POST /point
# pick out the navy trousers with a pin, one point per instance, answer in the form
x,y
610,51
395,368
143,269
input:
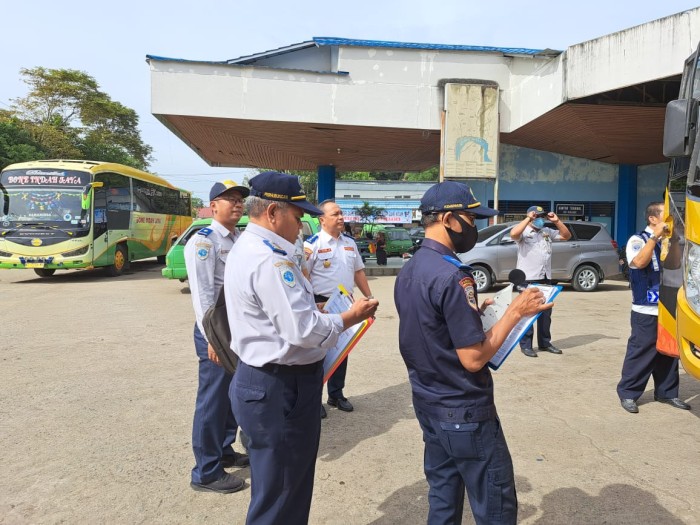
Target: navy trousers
x,y
214,427
278,410
336,382
474,456
544,325
643,361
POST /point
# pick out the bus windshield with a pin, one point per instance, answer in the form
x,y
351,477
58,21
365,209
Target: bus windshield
x,y
43,196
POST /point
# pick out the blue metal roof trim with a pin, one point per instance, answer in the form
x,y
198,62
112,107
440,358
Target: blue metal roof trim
x,y
169,59
389,204
228,63
332,41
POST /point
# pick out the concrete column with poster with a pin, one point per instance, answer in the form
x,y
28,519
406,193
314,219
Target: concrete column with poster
x,y
470,133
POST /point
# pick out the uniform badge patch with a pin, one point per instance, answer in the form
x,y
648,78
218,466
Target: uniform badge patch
x,y
636,244
287,276
202,251
467,284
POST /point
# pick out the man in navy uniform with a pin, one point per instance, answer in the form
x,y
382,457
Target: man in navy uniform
x,y
442,342
281,339
332,258
214,428
642,360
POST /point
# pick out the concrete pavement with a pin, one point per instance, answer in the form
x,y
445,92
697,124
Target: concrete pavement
x,y
98,382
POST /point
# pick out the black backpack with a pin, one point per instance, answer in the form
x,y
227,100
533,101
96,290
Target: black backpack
x,y
218,332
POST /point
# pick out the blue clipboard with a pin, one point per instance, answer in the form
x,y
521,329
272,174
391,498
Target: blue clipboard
x,y
510,343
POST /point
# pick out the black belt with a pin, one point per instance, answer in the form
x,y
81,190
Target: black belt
x,y
277,368
320,298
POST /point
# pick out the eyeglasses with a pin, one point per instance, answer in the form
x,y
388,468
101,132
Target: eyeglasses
x,y
233,200
470,218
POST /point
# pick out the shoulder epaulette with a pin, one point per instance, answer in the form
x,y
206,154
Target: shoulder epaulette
x,y
274,248
459,264
205,232
312,239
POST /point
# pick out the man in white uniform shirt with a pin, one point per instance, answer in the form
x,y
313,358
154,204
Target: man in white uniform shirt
x,y
534,241
281,339
214,428
332,258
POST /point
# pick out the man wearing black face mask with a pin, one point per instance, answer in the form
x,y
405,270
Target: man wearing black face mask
x,y
534,241
442,342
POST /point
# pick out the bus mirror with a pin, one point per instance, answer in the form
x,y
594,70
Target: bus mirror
x,y
679,128
86,199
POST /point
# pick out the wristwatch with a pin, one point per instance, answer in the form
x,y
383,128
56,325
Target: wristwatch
x,y
654,238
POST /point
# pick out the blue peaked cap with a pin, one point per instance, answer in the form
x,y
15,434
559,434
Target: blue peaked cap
x,y
283,187
453,196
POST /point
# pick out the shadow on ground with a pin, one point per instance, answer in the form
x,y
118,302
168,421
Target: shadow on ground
x,y
618,503
375,414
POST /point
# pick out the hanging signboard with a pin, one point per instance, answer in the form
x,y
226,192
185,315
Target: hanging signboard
x,y
470,131
571,210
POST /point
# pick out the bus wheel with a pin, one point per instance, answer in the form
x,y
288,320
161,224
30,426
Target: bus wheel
x,y
120,262
44,272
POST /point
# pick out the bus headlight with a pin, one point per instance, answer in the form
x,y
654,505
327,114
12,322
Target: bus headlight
x,y
692,276
76,253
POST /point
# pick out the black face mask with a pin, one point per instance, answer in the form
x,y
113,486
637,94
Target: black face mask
x,y
464,241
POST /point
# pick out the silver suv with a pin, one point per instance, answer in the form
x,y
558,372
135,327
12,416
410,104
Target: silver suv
x,y
585,260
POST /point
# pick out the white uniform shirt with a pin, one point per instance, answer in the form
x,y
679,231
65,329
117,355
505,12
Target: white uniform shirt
x,y
535,252
331,261
205,260
634,246
270,304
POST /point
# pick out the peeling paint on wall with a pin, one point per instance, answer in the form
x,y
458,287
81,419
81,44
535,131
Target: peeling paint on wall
x,y
528,166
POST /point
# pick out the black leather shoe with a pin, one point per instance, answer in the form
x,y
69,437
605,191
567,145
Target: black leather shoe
x,y
551,349
674,402
226,484
235,460
529,352
629,405
341,404
323,413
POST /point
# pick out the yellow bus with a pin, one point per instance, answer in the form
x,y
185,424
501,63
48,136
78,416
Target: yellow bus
x,y
66,214
679,308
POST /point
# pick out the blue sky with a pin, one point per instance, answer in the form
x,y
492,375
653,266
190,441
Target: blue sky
x,y
110,40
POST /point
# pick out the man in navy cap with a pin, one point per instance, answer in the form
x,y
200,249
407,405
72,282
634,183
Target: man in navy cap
x,y
443,344
281,339
534,242
214,428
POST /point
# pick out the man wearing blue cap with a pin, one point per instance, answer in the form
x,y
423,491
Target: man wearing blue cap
x,y
214,427
281,339
534,242
442,342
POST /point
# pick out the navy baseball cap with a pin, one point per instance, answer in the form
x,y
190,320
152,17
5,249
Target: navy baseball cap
x,y
453,196
537,209
221,187
282,187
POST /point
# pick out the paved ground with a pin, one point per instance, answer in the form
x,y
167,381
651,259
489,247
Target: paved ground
x,y
97,387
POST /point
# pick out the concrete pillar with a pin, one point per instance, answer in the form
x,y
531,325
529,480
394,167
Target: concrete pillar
x,y
626,202
326,183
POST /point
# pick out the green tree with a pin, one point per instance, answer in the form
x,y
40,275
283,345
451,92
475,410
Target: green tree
x,y
197,204
369,214
429,175
68,115
16,144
